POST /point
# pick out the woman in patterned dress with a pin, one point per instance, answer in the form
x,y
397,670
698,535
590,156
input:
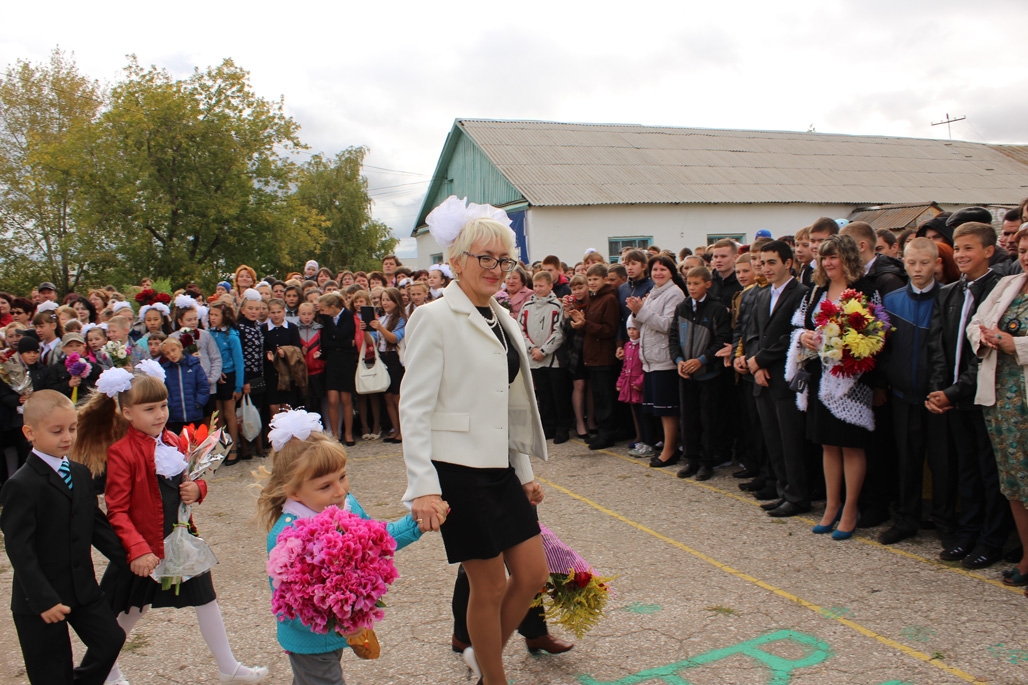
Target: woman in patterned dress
x,y
999,335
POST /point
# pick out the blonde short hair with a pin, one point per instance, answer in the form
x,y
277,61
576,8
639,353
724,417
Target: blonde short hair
x,y
476,231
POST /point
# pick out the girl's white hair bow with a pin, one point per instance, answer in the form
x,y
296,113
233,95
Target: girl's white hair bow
x,y
251,294
114,381
152,368
297,424
185,302
46,306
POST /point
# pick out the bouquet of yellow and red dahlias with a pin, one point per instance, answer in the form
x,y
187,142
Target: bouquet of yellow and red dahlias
x,y
853,332
574,596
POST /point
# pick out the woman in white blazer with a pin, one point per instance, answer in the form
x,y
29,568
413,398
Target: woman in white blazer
x,y
470,422
999,336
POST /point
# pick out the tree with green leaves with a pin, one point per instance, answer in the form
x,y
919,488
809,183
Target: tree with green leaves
x,y
45,115
191,177
336,190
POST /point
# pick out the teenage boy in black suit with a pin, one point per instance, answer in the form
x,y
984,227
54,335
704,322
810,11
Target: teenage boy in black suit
x,y
50,519
782,421
984,517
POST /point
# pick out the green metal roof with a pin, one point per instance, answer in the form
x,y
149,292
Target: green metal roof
x,y
465,171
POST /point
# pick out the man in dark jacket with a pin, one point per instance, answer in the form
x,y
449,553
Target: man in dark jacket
x,y
984,517
782,421
905,362
561,288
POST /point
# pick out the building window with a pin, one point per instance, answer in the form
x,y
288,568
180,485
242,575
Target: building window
x,y
616,245
737,237
437,258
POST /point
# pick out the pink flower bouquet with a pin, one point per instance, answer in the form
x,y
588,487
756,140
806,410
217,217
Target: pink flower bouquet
x,y
331,571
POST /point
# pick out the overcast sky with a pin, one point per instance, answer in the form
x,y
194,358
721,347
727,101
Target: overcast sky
x,y
394,75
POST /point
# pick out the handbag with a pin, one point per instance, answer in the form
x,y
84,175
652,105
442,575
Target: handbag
x,y
373,378
250,419
800,381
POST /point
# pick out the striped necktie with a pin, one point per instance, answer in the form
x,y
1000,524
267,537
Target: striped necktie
x,y
65,473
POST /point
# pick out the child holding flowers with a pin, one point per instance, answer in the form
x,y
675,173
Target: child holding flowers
x,y
122,430
309,476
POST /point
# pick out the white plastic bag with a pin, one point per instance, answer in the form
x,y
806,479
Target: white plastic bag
x,y
249,419
185,555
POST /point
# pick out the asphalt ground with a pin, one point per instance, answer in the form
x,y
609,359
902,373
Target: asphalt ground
x,y
708,590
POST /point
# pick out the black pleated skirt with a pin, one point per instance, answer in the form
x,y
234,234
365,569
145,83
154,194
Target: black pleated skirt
x,y
340,371
489,511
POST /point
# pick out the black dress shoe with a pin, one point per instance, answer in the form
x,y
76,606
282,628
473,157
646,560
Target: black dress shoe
x,y
350,443
753,485
705,473
871,518
658,464
789,509
894,535
982,557
955,553
769,492
560,439
599,443
690,469
768,506
1014,556
745,473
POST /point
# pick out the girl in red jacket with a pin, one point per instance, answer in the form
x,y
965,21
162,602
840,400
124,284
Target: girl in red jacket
x,y
123,424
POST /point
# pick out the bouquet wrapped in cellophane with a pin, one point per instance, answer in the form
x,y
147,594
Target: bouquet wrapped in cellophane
x,y
186,554
574,596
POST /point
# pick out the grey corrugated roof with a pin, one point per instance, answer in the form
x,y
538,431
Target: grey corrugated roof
x,y
585,164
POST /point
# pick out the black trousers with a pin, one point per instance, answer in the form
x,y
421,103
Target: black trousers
x,y
603,383
985,516
726,441
700,406
942,460
880,483
751,438
46,647
533,625
553,393
918,432
783,426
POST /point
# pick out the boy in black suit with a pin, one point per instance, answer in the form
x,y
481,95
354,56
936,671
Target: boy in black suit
x,y
984,521
782,421
50,519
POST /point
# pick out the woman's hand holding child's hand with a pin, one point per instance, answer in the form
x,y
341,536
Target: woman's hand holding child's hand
x,y
189,492
425,511
144,565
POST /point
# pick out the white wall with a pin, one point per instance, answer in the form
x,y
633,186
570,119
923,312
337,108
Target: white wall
x,y
568,231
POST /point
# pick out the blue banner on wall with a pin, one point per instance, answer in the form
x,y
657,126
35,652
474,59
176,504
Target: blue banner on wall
x,y
517,223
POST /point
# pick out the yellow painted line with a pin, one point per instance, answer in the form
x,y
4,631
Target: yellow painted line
x,y
867,632
867,541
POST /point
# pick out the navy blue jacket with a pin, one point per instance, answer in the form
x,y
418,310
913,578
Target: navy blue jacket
x,y
906,352
639,288
188,389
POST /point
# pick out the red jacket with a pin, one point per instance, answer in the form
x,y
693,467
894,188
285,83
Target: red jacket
x,y
133,496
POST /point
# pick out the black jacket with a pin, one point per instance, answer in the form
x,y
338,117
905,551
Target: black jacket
x,y
943,337
48,531
700,335
338,338
745,335
774,332
887,274
724,289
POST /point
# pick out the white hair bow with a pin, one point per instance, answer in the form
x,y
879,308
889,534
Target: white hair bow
x,y
86,327
46,306
297,424
252,295
152,368
118,306
446,221
114,381
444,269
159,306
185,302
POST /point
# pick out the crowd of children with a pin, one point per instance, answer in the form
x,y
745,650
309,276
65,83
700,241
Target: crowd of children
x,y
670,352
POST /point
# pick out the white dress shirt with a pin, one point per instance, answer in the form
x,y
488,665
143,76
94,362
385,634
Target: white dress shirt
x,y
52,462
775,292
965,312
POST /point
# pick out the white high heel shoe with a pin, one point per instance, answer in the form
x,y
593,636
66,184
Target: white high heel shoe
x,y
256,675
469,659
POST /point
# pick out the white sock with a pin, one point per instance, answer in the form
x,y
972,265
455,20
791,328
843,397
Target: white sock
x,y
127,620
212,628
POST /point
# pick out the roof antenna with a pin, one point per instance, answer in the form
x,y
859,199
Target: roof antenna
x,y
948,121
810,129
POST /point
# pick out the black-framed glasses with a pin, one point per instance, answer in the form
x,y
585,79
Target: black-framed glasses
x,y
488,262
17,311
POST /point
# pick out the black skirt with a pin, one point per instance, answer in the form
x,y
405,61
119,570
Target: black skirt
x,y
391,359
272,395
224,391
340,371
823,428
125,590
489,511
660,392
